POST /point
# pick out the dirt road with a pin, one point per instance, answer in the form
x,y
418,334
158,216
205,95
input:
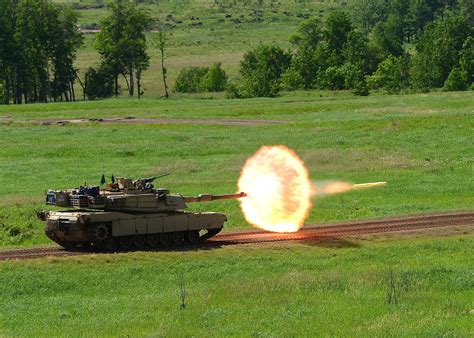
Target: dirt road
x,y
405,224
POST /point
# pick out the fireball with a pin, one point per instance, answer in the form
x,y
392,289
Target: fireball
x,y
278,190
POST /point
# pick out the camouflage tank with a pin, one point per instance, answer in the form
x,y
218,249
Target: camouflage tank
x,y
126,214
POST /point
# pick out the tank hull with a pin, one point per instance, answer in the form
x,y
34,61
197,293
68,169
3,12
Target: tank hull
x,y
111,230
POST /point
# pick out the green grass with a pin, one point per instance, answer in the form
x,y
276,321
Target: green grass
x,y
420,144
335,288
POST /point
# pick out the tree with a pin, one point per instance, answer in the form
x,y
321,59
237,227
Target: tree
x,y
38,45
367,13
308,34
215,79
387,36
337,28
304,66
99,83
466,61
359,52
122,42
392,75
455,81
438,50
160,42
261,70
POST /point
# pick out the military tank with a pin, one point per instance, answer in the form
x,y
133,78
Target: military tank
x,y
128,214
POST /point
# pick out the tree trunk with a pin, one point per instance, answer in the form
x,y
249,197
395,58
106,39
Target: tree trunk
x,y
132,82
116,84
6,99
163,71
73,94
15,84
139,75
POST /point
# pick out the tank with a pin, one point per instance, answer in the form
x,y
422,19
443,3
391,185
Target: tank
x,y
128,214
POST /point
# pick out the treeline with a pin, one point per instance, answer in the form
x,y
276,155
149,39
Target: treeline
x,y
364,48
38,44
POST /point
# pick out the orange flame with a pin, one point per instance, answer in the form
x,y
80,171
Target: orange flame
x,y
278,189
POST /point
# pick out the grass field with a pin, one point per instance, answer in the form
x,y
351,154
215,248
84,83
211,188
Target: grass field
x,y
335,288
420,144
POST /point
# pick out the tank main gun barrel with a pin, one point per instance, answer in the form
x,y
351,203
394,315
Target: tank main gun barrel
x,y
208,198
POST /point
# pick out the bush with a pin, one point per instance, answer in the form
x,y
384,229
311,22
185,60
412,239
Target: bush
x,y
189,80
333,78
392,75
215,79
201,79
292,80
456,81
261,71
234,90
98,83
354,79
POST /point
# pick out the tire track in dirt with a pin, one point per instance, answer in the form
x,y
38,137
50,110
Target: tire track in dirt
x,y
309,233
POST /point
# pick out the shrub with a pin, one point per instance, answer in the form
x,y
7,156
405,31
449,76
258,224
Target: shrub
x,y
189,80
261,70
215,79
292,80
333,78
392,74
456,81
98,83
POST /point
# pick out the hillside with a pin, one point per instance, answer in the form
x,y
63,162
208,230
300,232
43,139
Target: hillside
x,y
203,32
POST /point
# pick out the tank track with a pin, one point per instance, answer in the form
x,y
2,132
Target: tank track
x,y
103,241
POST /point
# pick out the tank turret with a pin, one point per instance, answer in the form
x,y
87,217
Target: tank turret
x,y
129,213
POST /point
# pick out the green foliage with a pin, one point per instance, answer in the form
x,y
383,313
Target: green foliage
x,y
387,36
261,71
98,83
215,79
291,79
38,45
438,51
456,81
122,42
359,52
332,78
467,61
367,13
308,33
392,75
201,79
337,28
190,80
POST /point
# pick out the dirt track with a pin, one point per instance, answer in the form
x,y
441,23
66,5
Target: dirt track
x,y
309,233
143,120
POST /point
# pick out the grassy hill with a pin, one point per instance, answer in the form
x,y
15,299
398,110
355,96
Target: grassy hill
x,y
203,32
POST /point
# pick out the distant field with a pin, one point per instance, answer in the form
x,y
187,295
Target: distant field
x,y
203,32
420,144
324,288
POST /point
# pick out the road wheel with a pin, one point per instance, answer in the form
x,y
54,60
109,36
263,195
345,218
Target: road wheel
x,y
192,237
125,242
139,241
110,244
177,237
165,238
152,240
